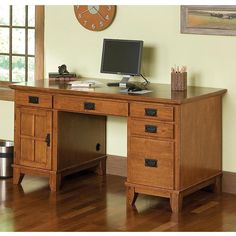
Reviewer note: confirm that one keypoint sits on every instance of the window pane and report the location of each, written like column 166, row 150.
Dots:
column 4, row 40
column 4, row 68
column 31, row 16
column 5, row 15
column 18, row 15
column 31, row 39
column 18, row 41
column 18, row 69
column 31, row 64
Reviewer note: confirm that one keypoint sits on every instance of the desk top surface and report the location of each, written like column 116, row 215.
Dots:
column 160, row 92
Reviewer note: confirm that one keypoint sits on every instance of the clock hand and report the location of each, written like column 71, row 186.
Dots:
column 86, row 11
column 99, row 13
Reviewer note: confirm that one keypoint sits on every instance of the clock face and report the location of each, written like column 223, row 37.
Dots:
column 95, row 17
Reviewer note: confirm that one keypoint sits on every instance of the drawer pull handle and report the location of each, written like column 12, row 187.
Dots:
column 151, row 163
column 150, row 128
column 150, row 112
column 48, row 140
column 89, row 106
column 98, row 147
column 33, row 100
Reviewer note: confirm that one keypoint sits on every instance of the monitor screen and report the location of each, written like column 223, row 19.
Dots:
column 121, row 56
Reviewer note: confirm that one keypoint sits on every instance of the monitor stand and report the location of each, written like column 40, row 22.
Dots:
column 124, row 84
column 124, row 81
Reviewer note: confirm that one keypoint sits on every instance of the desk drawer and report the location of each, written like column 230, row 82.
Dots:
column 151, row 162
column 33, row 99
column 151, row 128
column 87, row 105
column 152, row 111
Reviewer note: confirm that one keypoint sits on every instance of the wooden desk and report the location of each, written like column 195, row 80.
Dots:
column 174, row 138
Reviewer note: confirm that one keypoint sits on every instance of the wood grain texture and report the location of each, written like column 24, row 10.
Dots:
column 201, row 147
column 178, row 81
column 33, row 126
column 81, row 138
column 163, row 130
column 178, row 142
column 96, row 203
column 117, row 165
column 161, row 93
column 44, row 100
column 160, row 151
column 6, row 94
column 163, row 112
column 77, row 104
column 176, row 201
column 205, row 207
column 158, row 163
column 229, row 182
column 131, row 196
column 149, row 190
column 39, row 42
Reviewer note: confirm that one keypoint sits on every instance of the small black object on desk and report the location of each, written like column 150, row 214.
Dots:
column 62, row 73
column 132, row 87
column 113, row 84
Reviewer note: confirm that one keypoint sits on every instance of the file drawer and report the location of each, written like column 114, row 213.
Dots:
column 151, row 128
column 151, row 162
column 152, row 111
column 33, row 99
column 88, row 105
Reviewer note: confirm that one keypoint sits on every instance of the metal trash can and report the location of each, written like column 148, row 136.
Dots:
column 6, row 158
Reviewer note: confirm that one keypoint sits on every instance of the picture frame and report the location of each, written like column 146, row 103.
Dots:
column 208, row 19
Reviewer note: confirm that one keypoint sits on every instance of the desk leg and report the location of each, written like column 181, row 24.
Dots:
column 176, row 200
column 217, row 186
column 101, row 168
column 55, row 182
column 131, row 196
column 17, row 176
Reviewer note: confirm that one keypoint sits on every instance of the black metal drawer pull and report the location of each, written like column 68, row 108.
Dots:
column 98, row 147
column 48, row 140
column 151, row 163
column 89, row 106
column 150, row 128
column 33, row 99
column 150, row 112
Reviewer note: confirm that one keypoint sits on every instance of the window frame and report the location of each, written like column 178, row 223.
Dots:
column 39, row 46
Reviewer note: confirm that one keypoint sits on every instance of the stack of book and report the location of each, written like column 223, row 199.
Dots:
column 82, row 84
column 62, row 77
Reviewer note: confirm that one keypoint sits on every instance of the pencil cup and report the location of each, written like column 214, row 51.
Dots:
column 178, row 81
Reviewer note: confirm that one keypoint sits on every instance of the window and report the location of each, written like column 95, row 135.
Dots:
column 21, row 43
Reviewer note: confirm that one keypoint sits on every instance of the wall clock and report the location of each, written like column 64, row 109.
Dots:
column 95, row 17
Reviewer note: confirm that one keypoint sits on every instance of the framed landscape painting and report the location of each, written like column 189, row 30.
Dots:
column 216, row 20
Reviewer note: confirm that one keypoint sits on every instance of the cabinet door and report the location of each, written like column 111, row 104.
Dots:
column 34, row 132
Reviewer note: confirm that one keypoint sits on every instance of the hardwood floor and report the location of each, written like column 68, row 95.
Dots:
column 88, row 202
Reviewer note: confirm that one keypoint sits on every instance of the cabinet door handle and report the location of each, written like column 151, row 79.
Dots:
column 33, row 100
column 48, row 140
column 89, row 106
column 150, row 112
column 150, row 163
column 150, row 128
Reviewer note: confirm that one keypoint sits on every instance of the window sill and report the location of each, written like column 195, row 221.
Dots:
column 6, row 94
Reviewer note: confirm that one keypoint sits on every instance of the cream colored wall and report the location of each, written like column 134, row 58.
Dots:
column 210, row 59
column 6, row 120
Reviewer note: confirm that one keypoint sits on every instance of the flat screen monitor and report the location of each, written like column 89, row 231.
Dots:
column 121, row 56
